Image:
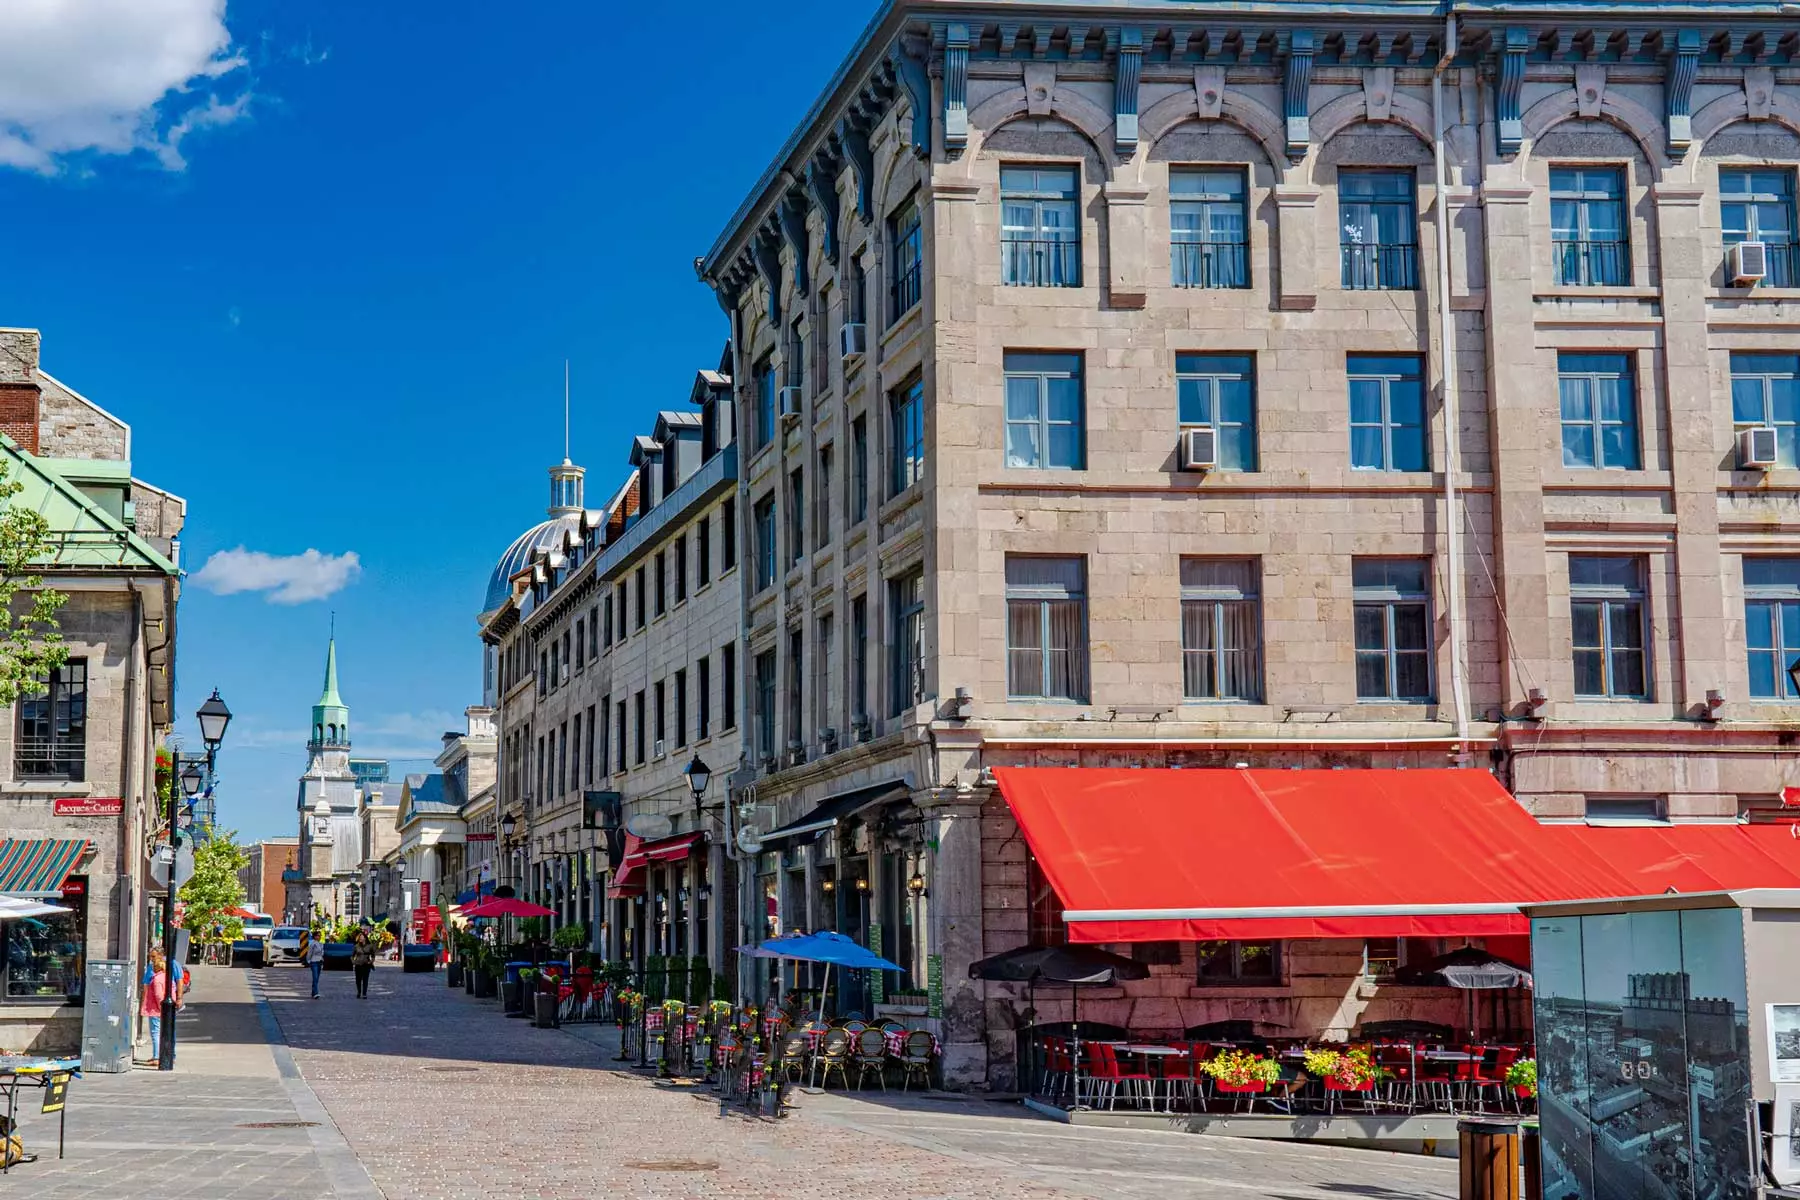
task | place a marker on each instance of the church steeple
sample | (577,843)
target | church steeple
(330,716)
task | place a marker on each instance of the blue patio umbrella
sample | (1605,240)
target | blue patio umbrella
(832,949)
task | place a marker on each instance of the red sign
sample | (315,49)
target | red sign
(424,893)
(478,837)
(89,806)
(74,887)
(1790,797)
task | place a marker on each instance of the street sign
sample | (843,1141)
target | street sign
(181,860)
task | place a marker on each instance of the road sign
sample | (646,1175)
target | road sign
(181,860)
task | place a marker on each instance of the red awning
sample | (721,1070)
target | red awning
(1153,855)
(672,849)
(628,880)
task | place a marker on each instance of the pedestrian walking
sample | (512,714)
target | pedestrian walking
(312,952)
(156,990)
(363,959)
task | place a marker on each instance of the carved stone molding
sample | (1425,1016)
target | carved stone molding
(1590,89)
(1678,90)
(1509,126)
(1296,93)
(956,87)
(1125,91)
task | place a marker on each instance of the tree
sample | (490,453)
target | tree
(215,890)
(30,647)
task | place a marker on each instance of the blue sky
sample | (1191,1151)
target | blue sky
(328,264)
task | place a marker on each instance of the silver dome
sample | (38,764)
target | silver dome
(518,555)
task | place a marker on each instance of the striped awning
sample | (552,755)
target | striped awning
(37,867)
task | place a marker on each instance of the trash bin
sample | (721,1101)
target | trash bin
(1530,1157)
(1489,1156)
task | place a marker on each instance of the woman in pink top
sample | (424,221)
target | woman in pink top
(154,993)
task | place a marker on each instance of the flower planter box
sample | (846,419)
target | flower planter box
(453,975)
(545,1010)
(1254,1087)
(1337,1085)
(484,985)
(338,955)
(418,959)
(512,998)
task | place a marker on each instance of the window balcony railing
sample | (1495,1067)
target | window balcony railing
(1593,264)
(1784,258)
(1381,267)
(1212,264)
(1040,262)
(905,294)
(37,759)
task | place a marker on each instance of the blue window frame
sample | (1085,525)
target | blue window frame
(1379,230)
(1043,411)
(1757,205)
(1772,625)
(1046,628)
(906,441)
(1208,222)
(1219,390)
(765,403)
(1599,411)
(1606,609)
(1587,226)
(906,247)
(1765,390)
(1393,629)
(1040,227)
(1387,413)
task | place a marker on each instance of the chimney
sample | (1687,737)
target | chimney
(19,392)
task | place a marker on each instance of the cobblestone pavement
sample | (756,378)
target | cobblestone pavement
(440,1096)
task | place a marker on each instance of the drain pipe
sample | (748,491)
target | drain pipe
(1459,699)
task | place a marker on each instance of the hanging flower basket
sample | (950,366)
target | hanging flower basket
(1242,1071)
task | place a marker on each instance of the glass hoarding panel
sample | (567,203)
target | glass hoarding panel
(1560,1018)
(1718,1052)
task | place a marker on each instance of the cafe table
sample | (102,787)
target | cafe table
(1148,1051)
(52,1076)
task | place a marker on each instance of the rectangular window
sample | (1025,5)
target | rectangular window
(1379,241)
(1218,391)
(765,402)
(906,436)
(703,552)
(52,737)
(580,642)
(1393,629)
(796,515)
(619,737)
(562,759)
(1221,629)
(45,956)
(703,698)
(822,500)
(662,583)
(1587,227)
(1606,612)
(1040,227)
(681,708)
(681,562)
(763,530)
(793,359)
(859,470)
(1772,625)
(1046,628)
(624,591)
(1208,224)
(1757,205)
(1387,413)
(580,746)
(598,754)
(661,719)
(905,247)
(643,587)
(906,657)
(855,293)
(728,534)
(859,658)
(642,728)
(1765,390)
(728,685)
(1237,962)
(822,675)
(1043,411)
(796,700)
(1045,925)
(1599,411)
(543,672)
(606,607)
(1625,810)
(765,704)
(594,633)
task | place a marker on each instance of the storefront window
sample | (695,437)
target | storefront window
(1046,927)
(1238,962)
(46,957)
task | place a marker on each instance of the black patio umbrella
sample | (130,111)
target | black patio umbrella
(1074,966)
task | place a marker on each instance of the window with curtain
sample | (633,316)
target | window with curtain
(1219,391)
(906,441)
(1040,227)
(765,704)
(1599,411)
(1043,410)
(1393,629)
(905,254)
(1046,628)
(1772,625)
(1387,412)
(906,658)
(763,522)
(1587,227)
(1379,230)
(1606,611)
(1208,228)
(1221,634)
(1756,204)
(1765,390)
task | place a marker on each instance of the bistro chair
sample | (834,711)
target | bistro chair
(1438,1079)
(834,1055)
(915,1059)
(1490,1072)
(855,1026)
(1177,1074)
(871,1057)
(796,1051)
(1399,1064)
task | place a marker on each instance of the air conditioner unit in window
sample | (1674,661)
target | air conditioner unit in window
(1749,262)
(656,751)
(792,400)
(1199,448)
(854,339)
(1756,448)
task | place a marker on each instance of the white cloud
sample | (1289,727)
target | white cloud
(113,77)
(289,579)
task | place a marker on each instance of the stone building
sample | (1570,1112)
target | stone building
(261,876)
(326,881)
(1406,388)
(432,820)
(78,813)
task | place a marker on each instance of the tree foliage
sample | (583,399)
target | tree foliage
(215,888)
(30,646)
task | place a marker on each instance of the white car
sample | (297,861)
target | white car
(259,927)
(284,944)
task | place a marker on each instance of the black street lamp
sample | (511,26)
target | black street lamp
(213,717)
(191,778)
(698,776)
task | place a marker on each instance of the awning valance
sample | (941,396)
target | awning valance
(1151,855)
(640,854)
(37,867)
(830,811)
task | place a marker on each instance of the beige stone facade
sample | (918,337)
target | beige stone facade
(930,109)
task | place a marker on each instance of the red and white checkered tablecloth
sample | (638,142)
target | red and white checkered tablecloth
(896,1041)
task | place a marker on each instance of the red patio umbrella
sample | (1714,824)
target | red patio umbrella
(242,914)
(507,906)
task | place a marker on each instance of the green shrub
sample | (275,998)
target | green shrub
(656,978)
(699,981)
(572,936)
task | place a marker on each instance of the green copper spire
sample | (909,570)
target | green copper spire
(331,716)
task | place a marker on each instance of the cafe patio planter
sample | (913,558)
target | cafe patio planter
(453,974)
(338,956)
(544,1010)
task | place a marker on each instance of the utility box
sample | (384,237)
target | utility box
(1668,1045)
(107,1015)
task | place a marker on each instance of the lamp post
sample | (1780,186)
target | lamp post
(214,717)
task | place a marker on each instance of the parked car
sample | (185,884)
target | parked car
(259,927)
(284,943)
